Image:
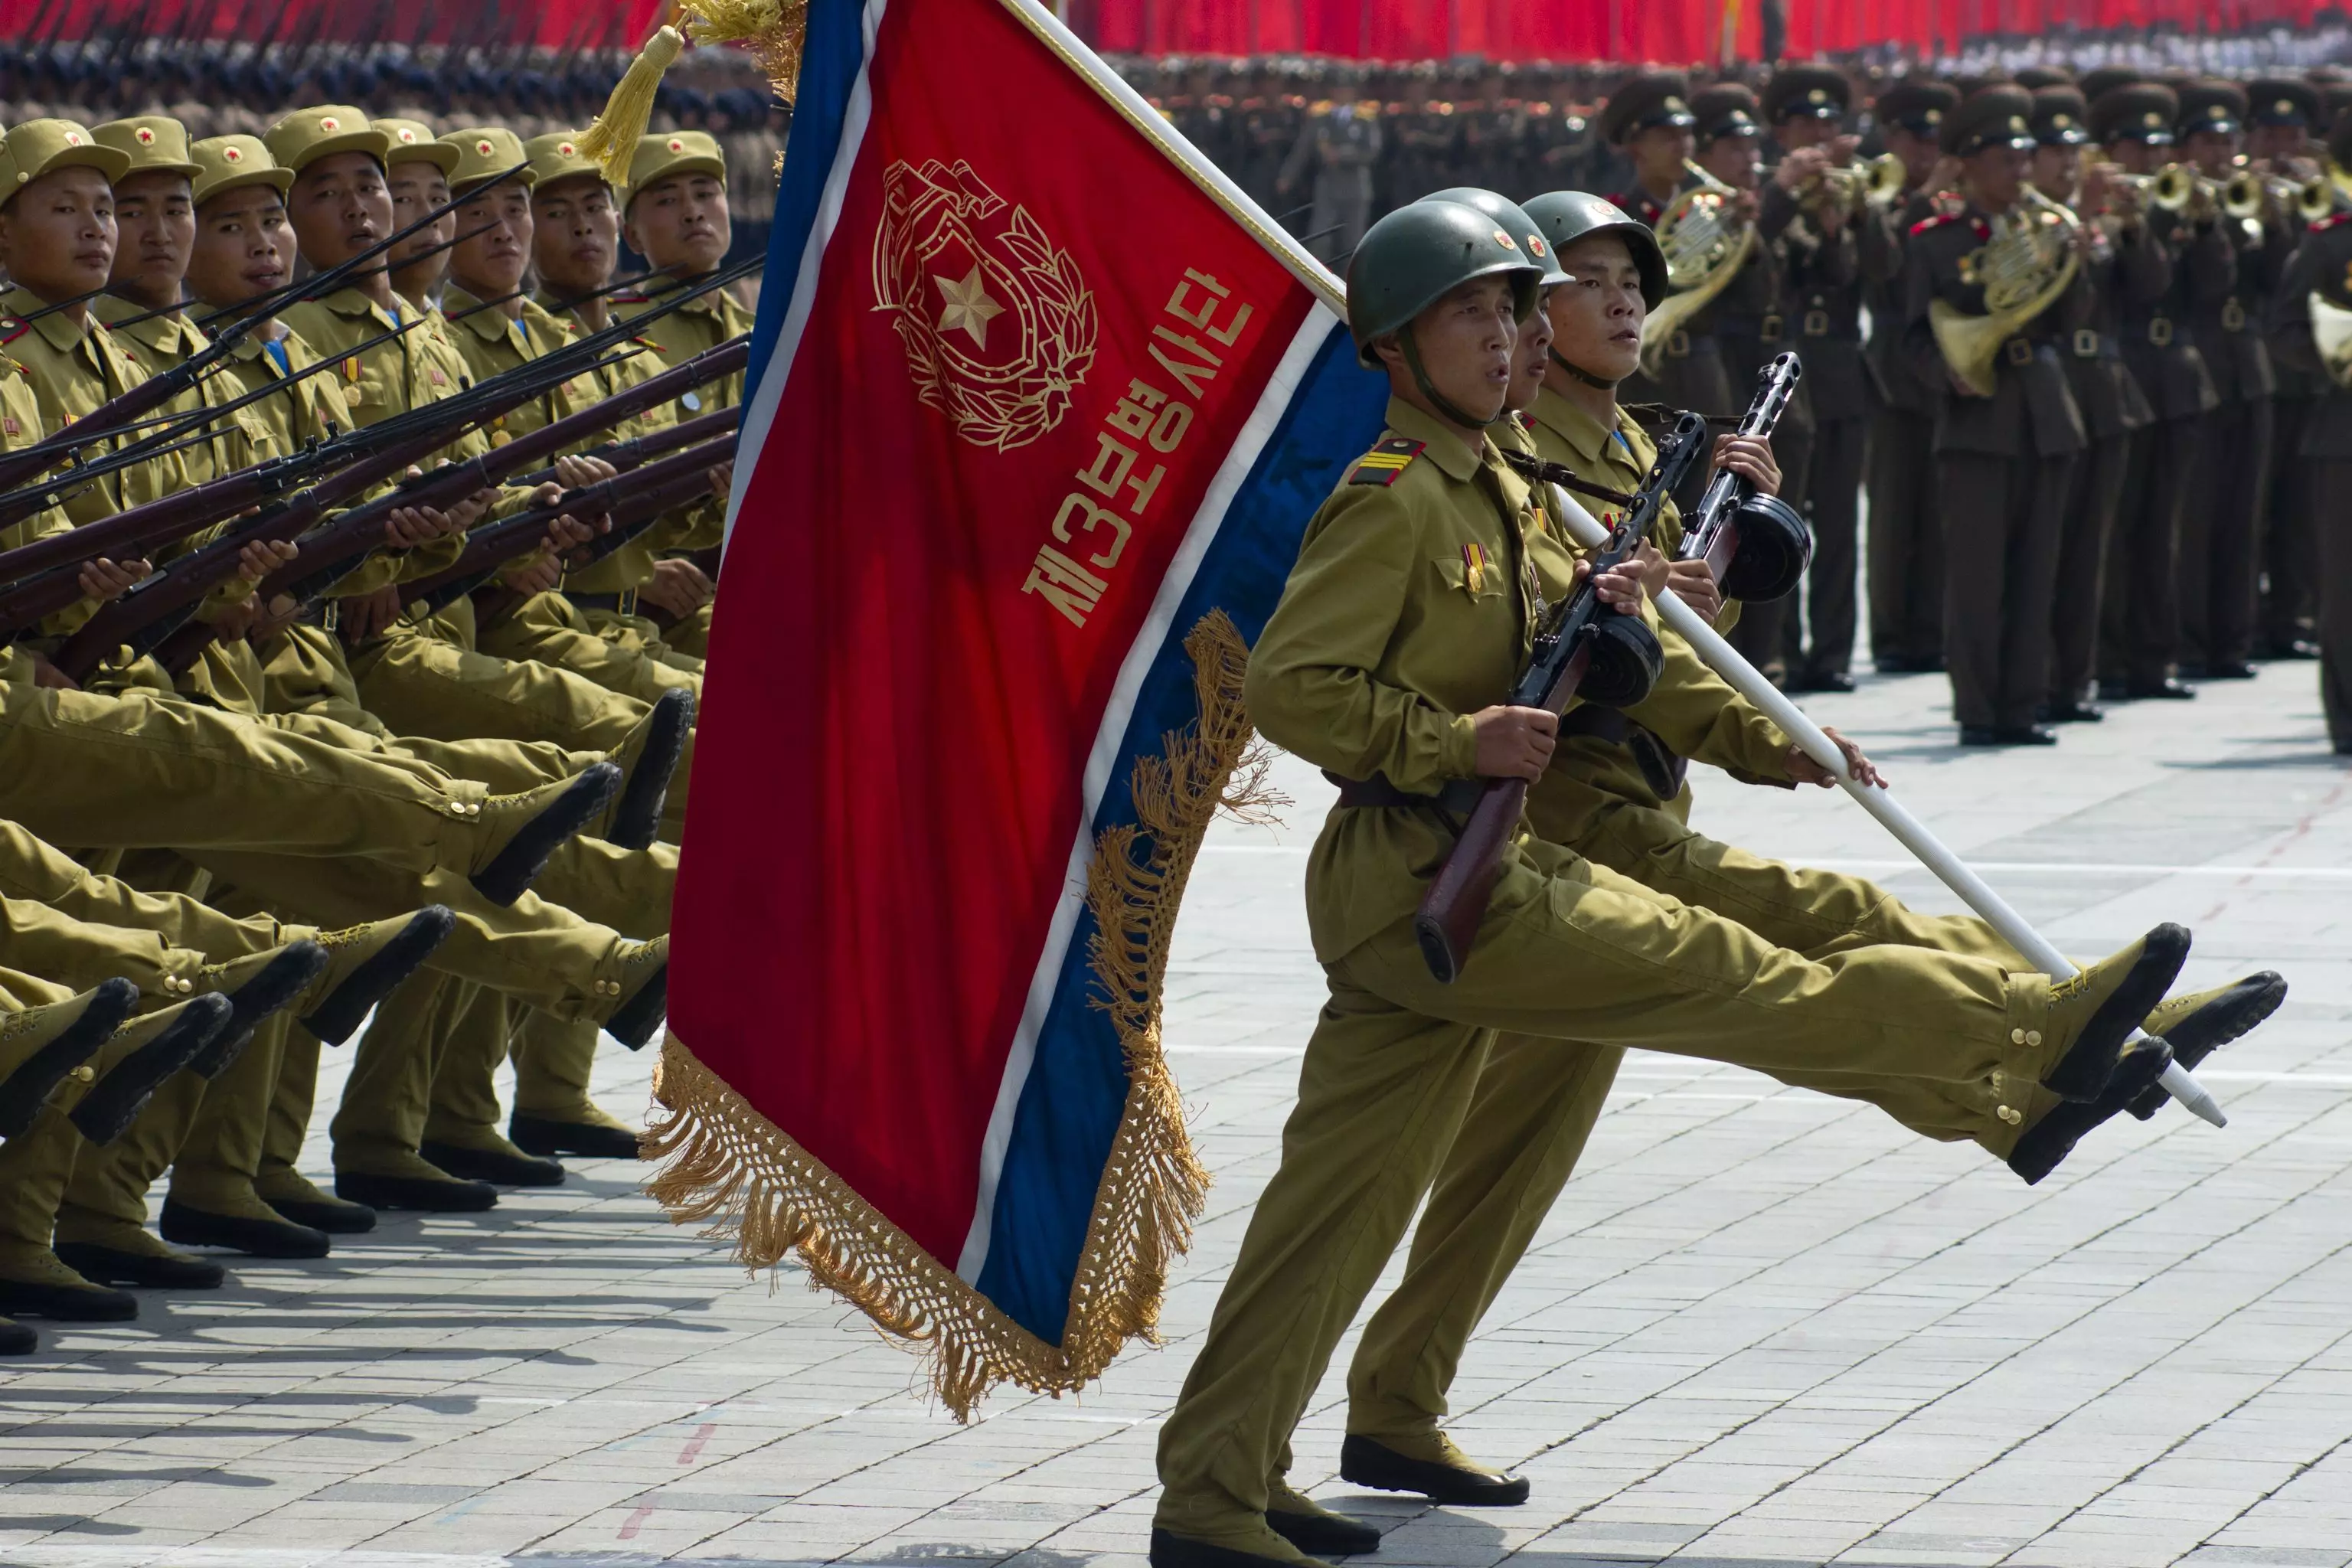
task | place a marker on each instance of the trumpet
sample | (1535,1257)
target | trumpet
(2175,188)
(2249,192)
(1874,183)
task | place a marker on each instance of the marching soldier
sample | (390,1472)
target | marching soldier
(2140,611)
(2010,431)
(1820,238)
(1649,119)
(1387,675)
(675,215)
(2124,269)
(1906,538)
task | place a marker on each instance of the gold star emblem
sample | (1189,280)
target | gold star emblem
(966,305)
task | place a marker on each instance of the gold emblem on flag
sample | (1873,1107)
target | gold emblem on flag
(998,325)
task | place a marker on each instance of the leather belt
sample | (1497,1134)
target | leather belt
(1458,795)
(620,603)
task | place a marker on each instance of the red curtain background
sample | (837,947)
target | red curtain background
(1666,31)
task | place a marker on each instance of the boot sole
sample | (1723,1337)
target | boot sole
(184,1226)
(2048,1142)
(1366,1464)
(281,980)
(1170,1550)
(117,1098)
(347,1006)
(105,1266)
(556,1138)
(2164,951)
(1316,1535)
(30,1086)
(637,817)
(2236,1011)
(513,871)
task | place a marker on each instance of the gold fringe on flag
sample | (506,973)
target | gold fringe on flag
(773,30)
(727,1166)
(611,142)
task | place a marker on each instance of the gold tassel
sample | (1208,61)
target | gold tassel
(773,30)
(611,142)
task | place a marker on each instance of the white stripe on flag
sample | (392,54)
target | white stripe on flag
(1140,657)
(768,381)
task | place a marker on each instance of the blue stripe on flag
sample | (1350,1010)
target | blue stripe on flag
(830,60)
(1070,1106)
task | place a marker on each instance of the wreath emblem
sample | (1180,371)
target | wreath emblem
(998,325)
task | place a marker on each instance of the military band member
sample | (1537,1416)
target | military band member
(2310,315)
(2221,541)
(1821,312)
(1907,539)
(2010,431)
(2283,119)
(1330,167)
(2139,625)
(1382,663)
(2126,269)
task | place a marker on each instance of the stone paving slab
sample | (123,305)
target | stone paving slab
(1759,1329)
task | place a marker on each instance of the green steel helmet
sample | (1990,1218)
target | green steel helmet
(1567,216)
(1416,255)
(1512,216)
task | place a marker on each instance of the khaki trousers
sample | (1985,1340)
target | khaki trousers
(1568,951)
(1536,1103)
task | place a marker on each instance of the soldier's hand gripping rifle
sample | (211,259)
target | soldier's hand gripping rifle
(149,614)
(632,501)
(1756,545)
(153,607)
(1585,649)
(627,454)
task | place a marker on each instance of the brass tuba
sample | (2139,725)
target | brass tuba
(2027,265)
(2331,333)
(1706,246)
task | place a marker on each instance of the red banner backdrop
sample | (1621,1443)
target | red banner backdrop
(1666,31)
(557,24)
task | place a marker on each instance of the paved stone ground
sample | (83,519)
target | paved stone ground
(1760,1328)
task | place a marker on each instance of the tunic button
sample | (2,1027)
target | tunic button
(2033,1036)
(2017,1036)
(2010,1116)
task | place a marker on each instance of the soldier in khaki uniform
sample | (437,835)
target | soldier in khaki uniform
(1392,640)
(575,244)
(497,329)
(416,168)
(675,216)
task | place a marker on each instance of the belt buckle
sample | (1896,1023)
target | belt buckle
(1817,323)
(2159,332)
(1768,329)
(2019,351)
(626,600)
(331,617)
(1678,345)
(2234,316)
(2086,343)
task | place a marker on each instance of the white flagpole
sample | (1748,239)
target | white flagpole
(1749,682)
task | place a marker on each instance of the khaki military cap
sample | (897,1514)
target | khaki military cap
(227,163)
(307,135)
(485,151)
(413,142)
(666,152)
(153,143)
(556,156)
(41,147)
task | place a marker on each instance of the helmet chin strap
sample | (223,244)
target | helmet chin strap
(1604,384)
(1438,400)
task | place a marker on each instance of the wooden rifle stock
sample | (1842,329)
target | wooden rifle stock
(627,454)
(1455,904)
